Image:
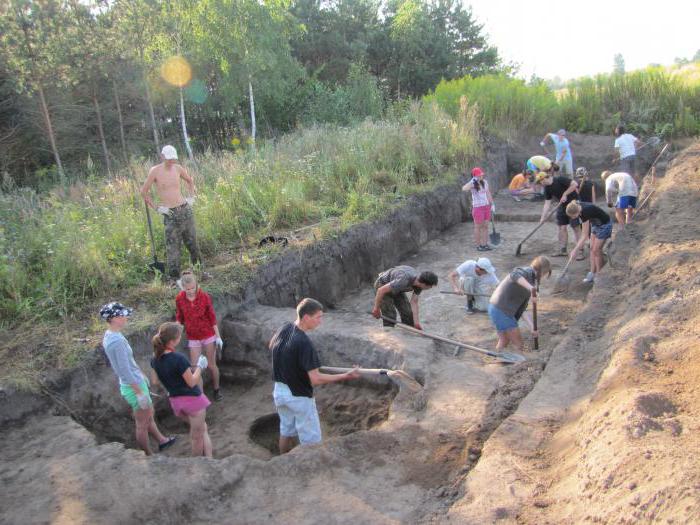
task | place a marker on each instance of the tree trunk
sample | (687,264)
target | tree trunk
(121,120)
(156,141)
(49,130)
(252,111)
(100,129)
(183,123)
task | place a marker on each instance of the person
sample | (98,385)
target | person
(521,184)
(563,156)
(564,190)
(295,368)
(392,286)
(540,164)
(627,191)
(195,311)
(586,188)
(133,384)
(476,280)
(176,210)
(482,206)
(626,146)
(596,225)
(510,299)
(172,370)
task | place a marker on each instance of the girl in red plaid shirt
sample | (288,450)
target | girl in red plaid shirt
(194,310)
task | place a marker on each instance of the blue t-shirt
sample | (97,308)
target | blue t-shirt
(559,145)
(169,368)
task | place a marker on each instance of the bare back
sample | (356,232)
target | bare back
(166,180)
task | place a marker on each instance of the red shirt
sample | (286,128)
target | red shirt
(198,316)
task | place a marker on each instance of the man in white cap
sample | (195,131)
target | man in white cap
(176,209)
(563,157)
(475,279)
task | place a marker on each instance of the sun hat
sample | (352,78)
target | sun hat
(485,264)
(169,152)
(581,172)
(561,132)
(477,172)
(112,310)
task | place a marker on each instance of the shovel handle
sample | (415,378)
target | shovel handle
(365,371)
(534,319)
(541,224)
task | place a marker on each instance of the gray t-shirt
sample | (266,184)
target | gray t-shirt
(121,358)
(401,279)
(511,298)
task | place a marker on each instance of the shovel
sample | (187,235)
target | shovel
(536,339)
(398,377)
(517,250)
(506,357)
(494,236)
(450,292)
(156,265)
(563,281)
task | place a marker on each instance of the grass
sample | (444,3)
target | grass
(68,250)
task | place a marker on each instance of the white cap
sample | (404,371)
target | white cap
(485,264)
(169,152)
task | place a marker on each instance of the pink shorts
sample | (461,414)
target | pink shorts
(199,343)
(189,405)
(481,214)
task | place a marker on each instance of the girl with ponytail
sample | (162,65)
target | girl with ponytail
(172,370)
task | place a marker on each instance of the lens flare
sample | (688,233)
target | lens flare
(176,71)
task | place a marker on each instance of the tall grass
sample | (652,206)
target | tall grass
(73,245)
(650,101)
(507,106)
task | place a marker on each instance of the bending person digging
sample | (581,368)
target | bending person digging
(595,221)
(564,191)
(392,286)
(510,299)
(295,368)
(624,186)
(476,280)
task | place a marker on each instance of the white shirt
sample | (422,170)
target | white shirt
(625,143)
(480,197)
(468,269)
(625,183)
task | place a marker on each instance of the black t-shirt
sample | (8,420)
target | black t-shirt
(585,191)
(169,368)
(557,188)
(591,212)
(293,356)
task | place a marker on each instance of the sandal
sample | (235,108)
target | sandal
(163,446)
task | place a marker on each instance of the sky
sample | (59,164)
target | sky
(572,39)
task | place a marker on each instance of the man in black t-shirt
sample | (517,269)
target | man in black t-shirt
(295,368)
(563,190)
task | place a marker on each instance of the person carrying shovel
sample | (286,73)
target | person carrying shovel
(596,222)
(563,190)
(510,299)
(476,280)
(176,209)
(392,286)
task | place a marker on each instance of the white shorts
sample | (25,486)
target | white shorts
(298,415)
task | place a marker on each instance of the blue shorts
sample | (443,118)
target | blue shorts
(626,202)
(501,321)
(298,415)
(602,232)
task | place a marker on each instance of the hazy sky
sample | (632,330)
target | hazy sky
(574,38)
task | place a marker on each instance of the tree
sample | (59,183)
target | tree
(619,64)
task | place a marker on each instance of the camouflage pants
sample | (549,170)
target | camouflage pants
(179,228)
(392,302)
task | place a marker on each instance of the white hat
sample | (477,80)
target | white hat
(169,152)
(485,264)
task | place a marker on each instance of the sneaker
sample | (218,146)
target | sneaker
(169,442)
(218,396)
(590,277)
(469,310)
(486,248)
(516,198)
(580,257)
(479,248)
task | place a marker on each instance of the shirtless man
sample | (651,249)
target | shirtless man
(176,210)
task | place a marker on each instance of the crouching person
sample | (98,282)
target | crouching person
(596,224)
(510,299)
(295,368)
(392,286)
(173,371)
(476,280)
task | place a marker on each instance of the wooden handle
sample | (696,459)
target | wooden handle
(534,319)
(366,371)
(542,223)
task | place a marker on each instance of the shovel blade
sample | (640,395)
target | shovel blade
(508,357)
(495,238)
(402,379)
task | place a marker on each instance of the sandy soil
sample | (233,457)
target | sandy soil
(598,425)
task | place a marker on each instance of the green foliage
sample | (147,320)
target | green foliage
(61,250)
(506,105)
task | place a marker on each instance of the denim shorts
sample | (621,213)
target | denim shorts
(298,415)
(602,232)
(501,321)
